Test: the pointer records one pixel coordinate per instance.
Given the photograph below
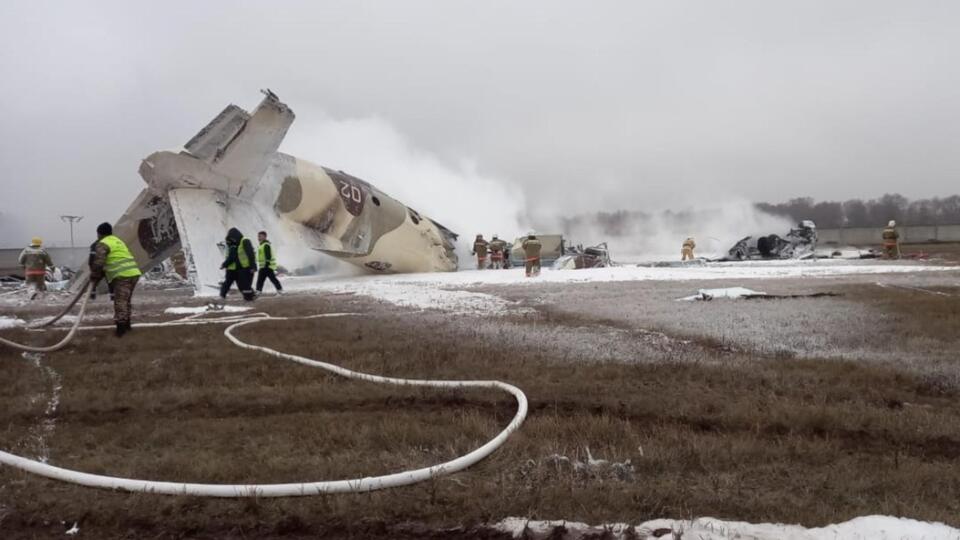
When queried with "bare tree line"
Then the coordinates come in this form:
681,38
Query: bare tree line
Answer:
826,214
869,213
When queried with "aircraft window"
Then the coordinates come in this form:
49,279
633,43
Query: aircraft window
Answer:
414,216
375,200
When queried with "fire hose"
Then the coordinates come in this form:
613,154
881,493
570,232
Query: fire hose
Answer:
66,339
355,485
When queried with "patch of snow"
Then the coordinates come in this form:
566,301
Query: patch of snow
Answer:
873,527
515,276
73,530
424,296
11,322
66,319
729,292
184,310
440,290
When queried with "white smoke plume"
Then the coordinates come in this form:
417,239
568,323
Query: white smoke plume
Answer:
469,202
457,195
658,234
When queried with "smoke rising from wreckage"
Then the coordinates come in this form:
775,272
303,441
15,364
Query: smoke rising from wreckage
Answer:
231,175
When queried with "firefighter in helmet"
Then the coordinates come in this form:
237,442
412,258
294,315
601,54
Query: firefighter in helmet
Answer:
686,251
891,241
480,247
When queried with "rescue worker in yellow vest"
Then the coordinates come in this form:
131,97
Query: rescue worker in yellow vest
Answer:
267,261
686,252
240,265
531,249
112,260
497,249
35,260
891,241
480,250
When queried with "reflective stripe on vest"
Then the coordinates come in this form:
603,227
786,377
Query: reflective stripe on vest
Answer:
120,263
262,256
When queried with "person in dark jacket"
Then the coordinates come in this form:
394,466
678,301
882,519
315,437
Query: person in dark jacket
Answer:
240,265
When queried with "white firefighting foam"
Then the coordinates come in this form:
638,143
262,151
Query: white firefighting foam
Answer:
872,527
443,290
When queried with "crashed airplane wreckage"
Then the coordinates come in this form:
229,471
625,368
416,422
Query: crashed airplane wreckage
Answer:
800,243
230,174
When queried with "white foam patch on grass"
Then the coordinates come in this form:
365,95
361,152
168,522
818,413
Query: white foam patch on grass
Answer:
185,310
11,322
728,292
444,290
873,527
425,296
68,320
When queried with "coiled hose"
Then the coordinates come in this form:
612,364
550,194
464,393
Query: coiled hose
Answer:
354,485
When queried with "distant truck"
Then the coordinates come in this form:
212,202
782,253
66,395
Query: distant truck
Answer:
553,248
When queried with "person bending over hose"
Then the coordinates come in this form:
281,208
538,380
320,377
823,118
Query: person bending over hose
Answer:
113,261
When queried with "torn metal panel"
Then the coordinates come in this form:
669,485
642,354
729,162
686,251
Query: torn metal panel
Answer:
213,139
579,257
202,217
149,229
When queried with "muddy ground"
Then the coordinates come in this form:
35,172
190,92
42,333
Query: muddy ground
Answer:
808,410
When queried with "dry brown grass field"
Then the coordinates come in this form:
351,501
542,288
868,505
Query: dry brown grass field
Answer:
806,411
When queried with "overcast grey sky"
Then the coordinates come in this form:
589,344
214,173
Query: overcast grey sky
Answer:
585,105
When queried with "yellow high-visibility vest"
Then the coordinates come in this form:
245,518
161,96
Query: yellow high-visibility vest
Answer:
262,261
120,262
241,256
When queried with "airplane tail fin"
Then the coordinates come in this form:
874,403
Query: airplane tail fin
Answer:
238,145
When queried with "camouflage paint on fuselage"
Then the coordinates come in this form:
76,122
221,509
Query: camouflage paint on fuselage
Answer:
354,221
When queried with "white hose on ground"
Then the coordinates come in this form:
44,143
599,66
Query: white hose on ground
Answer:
65,310
66,339
354,485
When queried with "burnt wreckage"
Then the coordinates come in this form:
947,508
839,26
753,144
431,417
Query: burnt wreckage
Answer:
799,243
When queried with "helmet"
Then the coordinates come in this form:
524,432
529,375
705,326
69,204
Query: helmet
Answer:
892,223
36,241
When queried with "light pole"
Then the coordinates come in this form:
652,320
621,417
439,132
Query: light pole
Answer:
71,220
